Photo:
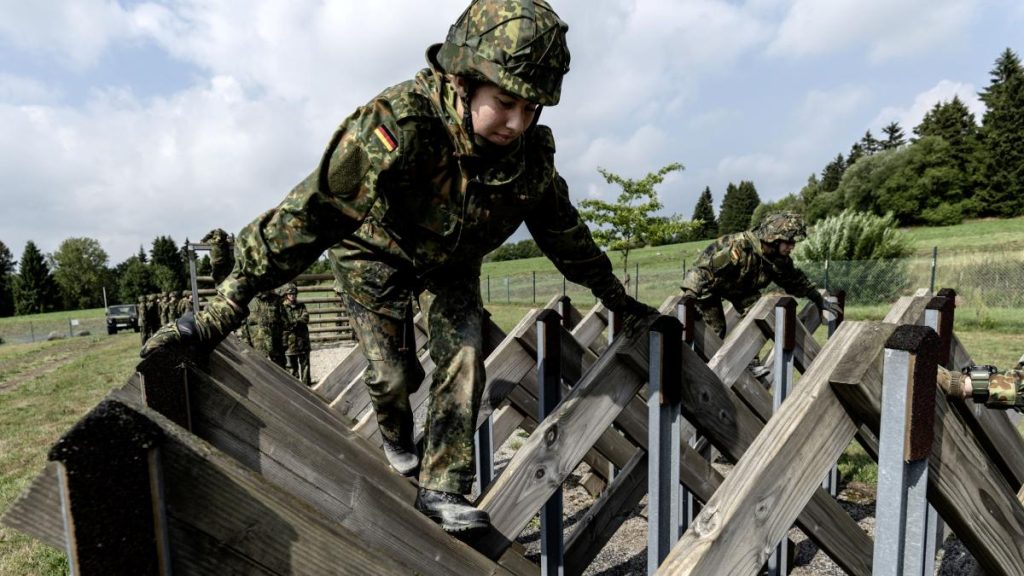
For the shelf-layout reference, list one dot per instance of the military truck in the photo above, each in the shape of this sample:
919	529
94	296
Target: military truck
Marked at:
122	317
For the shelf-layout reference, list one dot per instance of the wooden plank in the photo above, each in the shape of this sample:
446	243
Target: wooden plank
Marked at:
559	444
809	432
590	329
908	309
964	485
334	477
37	511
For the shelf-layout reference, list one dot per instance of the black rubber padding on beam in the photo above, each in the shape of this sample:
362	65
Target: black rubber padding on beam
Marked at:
923	343
946	308
948	293
671	331
689	304
788	329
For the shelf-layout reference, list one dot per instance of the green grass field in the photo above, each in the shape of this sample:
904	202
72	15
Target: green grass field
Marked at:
46	386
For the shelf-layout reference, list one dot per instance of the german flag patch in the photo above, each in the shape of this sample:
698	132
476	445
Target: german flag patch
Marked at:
386	138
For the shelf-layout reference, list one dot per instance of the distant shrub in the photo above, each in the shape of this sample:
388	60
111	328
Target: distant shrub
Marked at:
865	255
514	251
943	215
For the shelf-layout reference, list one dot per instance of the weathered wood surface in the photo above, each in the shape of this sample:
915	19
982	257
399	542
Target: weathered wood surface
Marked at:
37	511
964	485
777	477
558	445
993	428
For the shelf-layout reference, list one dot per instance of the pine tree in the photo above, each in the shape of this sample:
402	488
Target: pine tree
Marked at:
34	288
833	174
738	206
704	211
1001	156
165	254
142	255
856	153
894	137
6	281
869	144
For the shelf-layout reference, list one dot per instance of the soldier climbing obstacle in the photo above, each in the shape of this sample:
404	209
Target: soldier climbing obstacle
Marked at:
736	267
413	190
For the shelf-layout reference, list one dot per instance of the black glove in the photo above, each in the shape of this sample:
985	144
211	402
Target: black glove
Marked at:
630	308
825	305
199	333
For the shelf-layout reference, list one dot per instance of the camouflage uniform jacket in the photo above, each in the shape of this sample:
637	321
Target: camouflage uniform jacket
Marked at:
184	305
735	268
1006	390
265	325
296	327
411	203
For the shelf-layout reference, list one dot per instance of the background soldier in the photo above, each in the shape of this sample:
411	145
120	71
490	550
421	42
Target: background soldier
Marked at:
140	309
296	334
736	267
184	303
414	189
152	315
264	326
164	306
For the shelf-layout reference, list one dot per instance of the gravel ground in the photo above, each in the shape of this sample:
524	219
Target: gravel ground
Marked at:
626	553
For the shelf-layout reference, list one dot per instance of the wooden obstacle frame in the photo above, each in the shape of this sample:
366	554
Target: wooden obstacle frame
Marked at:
299	485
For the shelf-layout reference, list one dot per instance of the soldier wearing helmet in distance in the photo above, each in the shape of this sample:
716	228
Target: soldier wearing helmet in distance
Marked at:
736	267
413	189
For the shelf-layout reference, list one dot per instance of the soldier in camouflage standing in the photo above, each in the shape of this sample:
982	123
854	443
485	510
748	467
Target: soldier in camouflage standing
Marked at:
184	303
296	334
152	315
140	311
164	304
736	267
413	190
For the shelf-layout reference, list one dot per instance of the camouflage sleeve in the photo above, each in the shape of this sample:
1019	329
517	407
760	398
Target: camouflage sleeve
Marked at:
1006	390
794	281
302	316
564	238
323	209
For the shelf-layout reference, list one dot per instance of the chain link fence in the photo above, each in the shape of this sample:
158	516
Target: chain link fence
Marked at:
991	279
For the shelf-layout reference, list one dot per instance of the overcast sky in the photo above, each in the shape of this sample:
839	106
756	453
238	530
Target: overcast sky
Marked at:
126	120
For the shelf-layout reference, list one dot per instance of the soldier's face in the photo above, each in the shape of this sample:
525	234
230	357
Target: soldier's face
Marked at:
785	247
500	117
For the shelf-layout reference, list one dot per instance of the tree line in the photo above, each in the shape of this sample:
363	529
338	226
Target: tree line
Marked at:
75	275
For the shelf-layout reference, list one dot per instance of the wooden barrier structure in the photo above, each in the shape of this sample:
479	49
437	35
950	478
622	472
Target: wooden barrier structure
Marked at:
300	485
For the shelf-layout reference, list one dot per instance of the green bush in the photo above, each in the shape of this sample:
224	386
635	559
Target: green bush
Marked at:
943	215
860	253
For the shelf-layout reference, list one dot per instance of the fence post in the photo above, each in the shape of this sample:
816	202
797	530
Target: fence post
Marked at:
508	291
905	439
663	409
782	374
488	288
119	526
563	305
827	259
636	283
484	447
935	258
534	286
549	378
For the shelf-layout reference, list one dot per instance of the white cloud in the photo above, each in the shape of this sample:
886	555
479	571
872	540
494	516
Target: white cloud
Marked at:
910	116
21	90
885	29
76	32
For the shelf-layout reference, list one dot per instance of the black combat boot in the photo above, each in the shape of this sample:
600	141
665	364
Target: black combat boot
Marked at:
452	511
402	456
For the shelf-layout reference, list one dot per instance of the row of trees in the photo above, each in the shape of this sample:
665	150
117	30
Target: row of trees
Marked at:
75	275
950	169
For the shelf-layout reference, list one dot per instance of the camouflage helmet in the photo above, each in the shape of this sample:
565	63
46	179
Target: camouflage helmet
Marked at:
518	45
289	288
787	226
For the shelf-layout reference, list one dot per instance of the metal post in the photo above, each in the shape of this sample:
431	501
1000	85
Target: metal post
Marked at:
563	285
534	286
484	446
664	402
549	378
564	304
488	288
905	438
826	272
831	482
636	282
935	258
508	291
782	374
192	273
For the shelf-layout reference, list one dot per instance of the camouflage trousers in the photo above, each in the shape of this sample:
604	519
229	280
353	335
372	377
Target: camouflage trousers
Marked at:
394	372
713	313
298	365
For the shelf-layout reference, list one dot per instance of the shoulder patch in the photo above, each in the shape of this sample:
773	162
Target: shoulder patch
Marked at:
386	138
